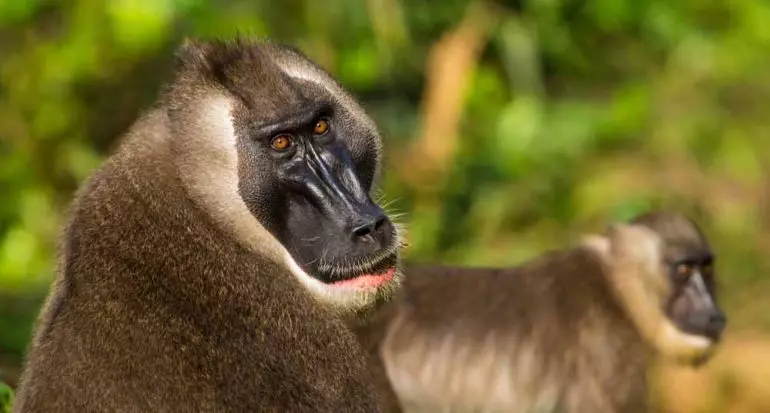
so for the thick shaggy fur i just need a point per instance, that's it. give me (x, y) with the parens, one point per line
(569, 331)
(169, 299)
(545, 326)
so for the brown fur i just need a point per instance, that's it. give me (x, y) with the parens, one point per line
(163, 302)
(553, 333)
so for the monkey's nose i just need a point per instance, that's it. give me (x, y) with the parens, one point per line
(717, 323)
(367, 227)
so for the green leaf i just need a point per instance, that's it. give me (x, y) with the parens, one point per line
(140, 24)
(6, 398)
(630, 209)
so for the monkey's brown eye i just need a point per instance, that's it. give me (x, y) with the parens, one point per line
(281, 142)
(707, 269)
(683, 270)
(321, 127)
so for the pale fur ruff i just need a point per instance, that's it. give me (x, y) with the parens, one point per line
(215, 187)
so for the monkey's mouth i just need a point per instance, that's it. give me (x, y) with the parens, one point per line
(700, 361)
(364, 273)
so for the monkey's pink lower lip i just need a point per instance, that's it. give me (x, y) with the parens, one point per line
(367, 281)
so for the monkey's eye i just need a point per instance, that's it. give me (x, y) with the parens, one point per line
(281, 142)
(683, 270)
(321, 127)
(707, 269)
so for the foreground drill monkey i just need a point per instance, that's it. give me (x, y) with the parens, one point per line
(571, 331)
(212, 262)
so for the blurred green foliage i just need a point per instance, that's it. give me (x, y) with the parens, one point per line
(6, 398)
(577, 113)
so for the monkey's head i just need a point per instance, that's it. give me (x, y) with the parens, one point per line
(689, 298)
(661, 268)
(282, 157)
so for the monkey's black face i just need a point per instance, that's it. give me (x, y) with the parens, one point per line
(307, 178)
(693, 304)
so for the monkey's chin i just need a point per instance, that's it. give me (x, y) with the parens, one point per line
(701, 360)
(684, 348)
(353, 293)
(367, 281)
(706, 355)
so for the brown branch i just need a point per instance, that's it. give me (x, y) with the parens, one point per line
(449, 67)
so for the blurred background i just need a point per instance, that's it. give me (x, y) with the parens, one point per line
(510, 128)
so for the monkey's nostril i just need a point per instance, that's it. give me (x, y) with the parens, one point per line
(367, 227)
(372, 229)
(363, 233)
(717, 318)
(380, 221)
(716, 325)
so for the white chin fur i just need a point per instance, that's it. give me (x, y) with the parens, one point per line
(673, 335)
(349, 298)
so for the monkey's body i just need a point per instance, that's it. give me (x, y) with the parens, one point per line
(545, 326)
(146, 315)
(570, 331)
(185, 283)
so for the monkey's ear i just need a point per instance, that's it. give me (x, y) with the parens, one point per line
(194, 54)
(599, 244)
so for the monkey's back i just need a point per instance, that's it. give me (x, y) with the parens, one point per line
(559, 288)
(154, 308)
(546, 333)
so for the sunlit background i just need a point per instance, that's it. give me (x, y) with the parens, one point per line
(510, 128)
